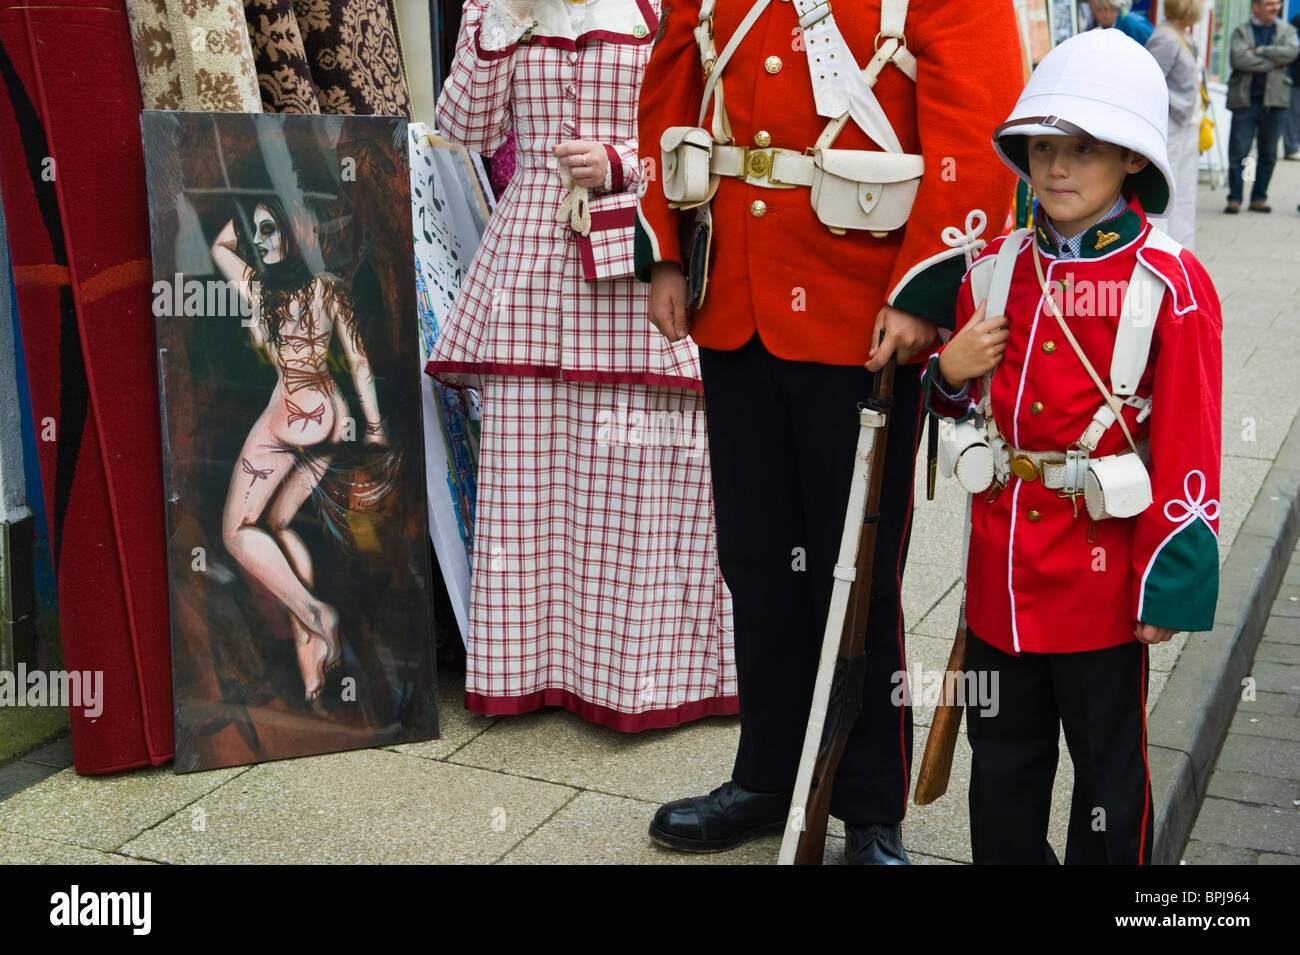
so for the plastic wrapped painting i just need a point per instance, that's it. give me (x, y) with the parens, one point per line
(292, 435)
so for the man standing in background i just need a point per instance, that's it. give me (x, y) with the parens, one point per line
(1259, 97)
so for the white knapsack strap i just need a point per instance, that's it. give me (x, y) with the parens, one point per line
(715, 65)
(1142, 301)
(893, 16)
(990, 281)
(837, 90)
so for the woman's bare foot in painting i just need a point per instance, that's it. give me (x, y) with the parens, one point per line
(329, 632)
(312, 653)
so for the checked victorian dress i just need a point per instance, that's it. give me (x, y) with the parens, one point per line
(595, 581)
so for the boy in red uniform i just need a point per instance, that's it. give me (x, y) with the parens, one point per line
(1063, 600)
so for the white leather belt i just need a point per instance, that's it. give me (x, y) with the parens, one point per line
(770, 168)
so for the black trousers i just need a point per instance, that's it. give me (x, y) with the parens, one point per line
(1100, 697)
(782, 436)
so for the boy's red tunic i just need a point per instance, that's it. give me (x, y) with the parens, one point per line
(1035, 582)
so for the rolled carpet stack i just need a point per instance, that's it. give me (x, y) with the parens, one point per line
(283, 72)
(355, 57)
(72, 175)
(194, 54)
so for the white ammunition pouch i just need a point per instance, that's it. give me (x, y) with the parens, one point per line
(965, 454)
(864, 189)
(1117, 485)
(685, 153)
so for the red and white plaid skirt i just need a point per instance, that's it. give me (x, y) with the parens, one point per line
(595, 582)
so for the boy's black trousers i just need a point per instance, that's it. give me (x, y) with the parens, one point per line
(1100, 698)
(782, 438)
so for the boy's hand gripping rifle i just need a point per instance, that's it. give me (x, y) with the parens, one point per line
(837, 694)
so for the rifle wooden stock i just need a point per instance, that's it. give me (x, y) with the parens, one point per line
(936, 764)
(832, 718)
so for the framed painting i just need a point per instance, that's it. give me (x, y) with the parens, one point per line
(298, 551)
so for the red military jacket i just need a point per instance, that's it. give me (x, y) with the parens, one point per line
(1035, 582)
(812, 295)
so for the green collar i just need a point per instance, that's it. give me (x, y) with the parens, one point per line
(1101, 239)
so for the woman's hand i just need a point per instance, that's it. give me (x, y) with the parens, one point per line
(586, 160)
(668, 301)
(976, 349)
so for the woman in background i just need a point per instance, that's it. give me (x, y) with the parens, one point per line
(1175, 50)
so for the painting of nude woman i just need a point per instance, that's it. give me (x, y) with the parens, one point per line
(299, 565)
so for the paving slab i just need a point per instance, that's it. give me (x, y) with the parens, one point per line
(20, 775)
(1275, 651)
(1265, 757)
(57, 754)
(1254, 789)
(102, 812)
(25, 850)
(655, 765)
(457, 724)
(365, 807)
(1269, 726)
(1261, 828)
(1211, 853)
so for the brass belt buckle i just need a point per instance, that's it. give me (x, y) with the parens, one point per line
(758, 163)
(1024, 467)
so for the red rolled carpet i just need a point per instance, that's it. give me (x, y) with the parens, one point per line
(72, 174)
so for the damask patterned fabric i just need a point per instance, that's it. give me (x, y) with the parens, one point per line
(355, 58)
(283, 73)
(194, 54)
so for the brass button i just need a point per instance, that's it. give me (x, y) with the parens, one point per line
(772, 64)
(639, 31)
(759, 164)
(762, 139)
(1049, 346)
(1036, 408)
(758, 208)
(1033, 517)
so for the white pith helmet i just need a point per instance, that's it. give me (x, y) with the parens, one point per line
(1104, 85)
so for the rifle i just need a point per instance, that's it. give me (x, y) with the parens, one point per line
(837, 693)
(936, 764)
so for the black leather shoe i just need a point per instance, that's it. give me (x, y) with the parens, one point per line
(724, 818)
(874, 844)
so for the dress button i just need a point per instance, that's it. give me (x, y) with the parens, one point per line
(567, 126)
(762, 139)
(570, 91)
(772, 64)
(1033, 517)
(758, 208)
(1036, 408)
(571, 58)
(1049, 347)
